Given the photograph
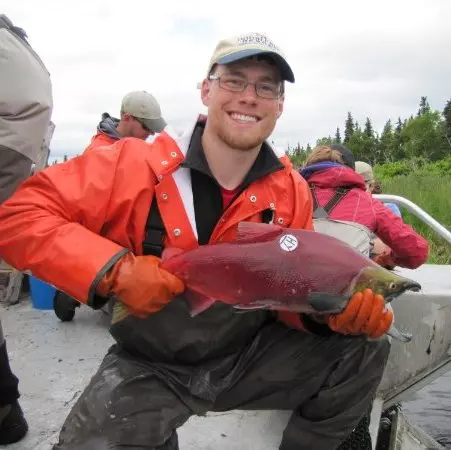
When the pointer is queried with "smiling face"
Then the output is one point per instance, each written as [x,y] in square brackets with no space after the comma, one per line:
[242,120]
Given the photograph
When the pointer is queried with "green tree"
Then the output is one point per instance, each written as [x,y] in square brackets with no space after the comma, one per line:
[349,128]
[413,141]
[357,145]
[398,142]
[368,130]
[399,126]
[424,107]
[324,141]
[424,136]
[298,150]
[368,142]
[447,125]
[300,155]
[297,155]
[447,116]
[386,144]
[337,139]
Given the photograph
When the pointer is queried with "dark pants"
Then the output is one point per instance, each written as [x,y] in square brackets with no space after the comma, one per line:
[328,383]
[8,382]
[14,168]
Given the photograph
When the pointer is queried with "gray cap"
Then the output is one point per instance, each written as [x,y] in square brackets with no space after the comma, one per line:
[365,170]
[144,106]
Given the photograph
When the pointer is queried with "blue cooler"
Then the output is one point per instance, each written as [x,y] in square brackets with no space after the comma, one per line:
[42,294]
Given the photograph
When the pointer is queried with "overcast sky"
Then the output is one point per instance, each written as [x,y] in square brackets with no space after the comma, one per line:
[371,58]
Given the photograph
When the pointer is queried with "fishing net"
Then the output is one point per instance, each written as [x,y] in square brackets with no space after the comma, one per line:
[360,438]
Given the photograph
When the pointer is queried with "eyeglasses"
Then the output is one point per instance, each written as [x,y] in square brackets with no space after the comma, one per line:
[143,125]
[265,89]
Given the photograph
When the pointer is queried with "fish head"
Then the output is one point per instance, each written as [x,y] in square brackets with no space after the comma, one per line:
[384,282]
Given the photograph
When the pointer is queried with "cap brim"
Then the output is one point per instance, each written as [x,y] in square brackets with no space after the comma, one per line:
[284,68]
[156,125]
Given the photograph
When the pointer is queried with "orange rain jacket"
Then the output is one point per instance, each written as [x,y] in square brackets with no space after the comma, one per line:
[71,222]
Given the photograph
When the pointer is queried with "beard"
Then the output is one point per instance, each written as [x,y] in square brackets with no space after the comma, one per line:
[243,141]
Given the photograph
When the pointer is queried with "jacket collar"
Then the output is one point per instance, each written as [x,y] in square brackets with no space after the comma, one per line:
[108,126]
[266,163]
[308,171]
[333,177]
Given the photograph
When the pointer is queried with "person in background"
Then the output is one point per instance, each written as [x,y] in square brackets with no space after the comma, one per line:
[372,185]
[330,167]
[140,117]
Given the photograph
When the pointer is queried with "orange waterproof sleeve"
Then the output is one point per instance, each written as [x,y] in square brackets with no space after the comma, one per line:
[51,225]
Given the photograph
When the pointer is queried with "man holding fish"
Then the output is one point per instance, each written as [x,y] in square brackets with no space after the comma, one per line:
[109,216]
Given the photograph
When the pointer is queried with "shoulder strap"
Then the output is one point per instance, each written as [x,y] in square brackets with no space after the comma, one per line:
[314,197]
[322,212]
[153,243]
[340,192]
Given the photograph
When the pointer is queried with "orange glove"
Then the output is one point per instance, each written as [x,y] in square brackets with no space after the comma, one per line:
[140,284]
[365,314]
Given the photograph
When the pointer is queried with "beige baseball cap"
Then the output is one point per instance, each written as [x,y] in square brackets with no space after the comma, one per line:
[365,170]
[144,106]
[248,45]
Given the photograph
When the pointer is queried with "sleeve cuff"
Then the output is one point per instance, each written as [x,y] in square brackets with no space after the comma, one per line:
[96,301]
[314,327]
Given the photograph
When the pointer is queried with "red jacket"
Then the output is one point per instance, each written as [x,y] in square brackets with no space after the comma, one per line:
[408,247]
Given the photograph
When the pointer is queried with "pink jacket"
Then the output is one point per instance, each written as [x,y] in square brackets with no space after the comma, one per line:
[409,249]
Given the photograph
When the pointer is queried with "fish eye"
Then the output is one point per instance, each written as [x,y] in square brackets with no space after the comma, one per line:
[392,286]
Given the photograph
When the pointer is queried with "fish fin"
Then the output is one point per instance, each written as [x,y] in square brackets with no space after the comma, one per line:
[248,307]
[170,252]
[327,303]
[198,302]
[399,335]
[251,232]
[258,304]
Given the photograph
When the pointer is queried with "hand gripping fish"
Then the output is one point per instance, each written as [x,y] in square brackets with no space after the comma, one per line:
[270,267]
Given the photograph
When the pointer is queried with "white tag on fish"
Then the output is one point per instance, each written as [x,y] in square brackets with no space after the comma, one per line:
[288,242]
